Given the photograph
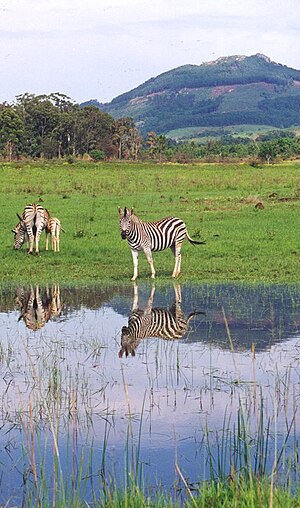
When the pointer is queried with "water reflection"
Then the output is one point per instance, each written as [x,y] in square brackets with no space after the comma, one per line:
[259,315]
[154,322]
[38,306]
[167,407]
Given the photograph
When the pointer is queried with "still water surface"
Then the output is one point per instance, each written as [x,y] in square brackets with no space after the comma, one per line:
[155,380]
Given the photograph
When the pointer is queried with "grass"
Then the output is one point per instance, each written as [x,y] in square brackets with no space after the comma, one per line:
[217,202]
[243,243]
[204,134]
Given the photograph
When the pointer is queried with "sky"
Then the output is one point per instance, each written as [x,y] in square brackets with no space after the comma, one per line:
[99,49]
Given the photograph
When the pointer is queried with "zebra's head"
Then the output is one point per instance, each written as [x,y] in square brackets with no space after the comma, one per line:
[20,235]
[125,221]
[128,344]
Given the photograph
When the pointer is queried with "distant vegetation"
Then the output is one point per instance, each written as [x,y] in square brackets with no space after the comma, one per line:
[230,91]
[53,126]
[234,108]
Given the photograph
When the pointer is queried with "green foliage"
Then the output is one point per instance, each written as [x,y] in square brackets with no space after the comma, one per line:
[97,155]
[11,131]
[50,126]
[230,91]
[216,201]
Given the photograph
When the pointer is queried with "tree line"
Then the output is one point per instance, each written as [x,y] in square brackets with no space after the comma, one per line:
[54,126]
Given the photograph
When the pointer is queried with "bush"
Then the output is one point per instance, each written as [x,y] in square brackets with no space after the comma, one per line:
[97,155]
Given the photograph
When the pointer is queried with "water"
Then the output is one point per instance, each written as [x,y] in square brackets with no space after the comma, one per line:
[81,399]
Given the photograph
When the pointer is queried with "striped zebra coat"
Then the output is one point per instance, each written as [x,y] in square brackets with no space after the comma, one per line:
[153,236]
[32,222]
[168,324]
[53,227]
[38,306]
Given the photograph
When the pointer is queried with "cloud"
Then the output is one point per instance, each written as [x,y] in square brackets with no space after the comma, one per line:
[102,49]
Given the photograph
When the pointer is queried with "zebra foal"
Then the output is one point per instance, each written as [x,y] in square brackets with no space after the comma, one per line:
[53,227]
[153,236]
[32,222]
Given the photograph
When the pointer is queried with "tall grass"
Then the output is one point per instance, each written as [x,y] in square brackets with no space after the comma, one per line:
[250,461]
[238,475]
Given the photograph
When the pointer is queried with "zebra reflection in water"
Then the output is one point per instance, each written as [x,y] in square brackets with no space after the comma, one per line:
[153,322]
[37,307]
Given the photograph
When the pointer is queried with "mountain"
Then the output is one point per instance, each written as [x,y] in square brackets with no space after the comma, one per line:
[231,90]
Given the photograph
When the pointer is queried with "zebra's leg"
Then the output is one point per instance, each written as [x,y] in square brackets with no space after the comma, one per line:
[148,254]
[37,238]
[53,241]
[148,308]
[135,258]
[177,291]
[30,242]
[47,241]
[57,239]
[176,248]
[135,302]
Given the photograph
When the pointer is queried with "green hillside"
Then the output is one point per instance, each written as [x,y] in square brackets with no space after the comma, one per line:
[235,90]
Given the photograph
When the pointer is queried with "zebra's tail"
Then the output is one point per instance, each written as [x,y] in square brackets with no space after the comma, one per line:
[194,242]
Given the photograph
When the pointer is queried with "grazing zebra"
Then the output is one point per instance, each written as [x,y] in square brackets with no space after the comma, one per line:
[34,311]
[21,235]
[153,236]
[32,222]
[53,227]
[169,324]
[37,307]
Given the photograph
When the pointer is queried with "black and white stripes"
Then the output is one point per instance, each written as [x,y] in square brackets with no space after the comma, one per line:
[33,221]
[153,322]
[153,236]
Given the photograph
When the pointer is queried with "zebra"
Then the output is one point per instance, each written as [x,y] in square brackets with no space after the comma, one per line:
[53,227]
[32,222]
[34,311]
[55,302]
[153,236]
[164,323]
[21,235]
[37,307]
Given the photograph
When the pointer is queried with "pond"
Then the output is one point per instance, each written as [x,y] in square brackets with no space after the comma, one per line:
[164,385]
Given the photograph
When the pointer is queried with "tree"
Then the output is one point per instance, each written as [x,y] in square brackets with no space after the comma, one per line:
[94,131]
[127,139]
[157,145]
[268,151]
[40,118]
[11,131]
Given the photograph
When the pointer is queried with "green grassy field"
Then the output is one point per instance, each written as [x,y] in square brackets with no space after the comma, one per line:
[196,134]
[217,202]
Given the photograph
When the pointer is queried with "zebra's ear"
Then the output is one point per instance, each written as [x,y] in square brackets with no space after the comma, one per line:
[120,211]
[131,211]
[13,231]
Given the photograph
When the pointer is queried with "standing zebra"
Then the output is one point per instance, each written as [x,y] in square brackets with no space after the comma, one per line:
[169,324]
[32,222]
[153,236]
[53,227]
